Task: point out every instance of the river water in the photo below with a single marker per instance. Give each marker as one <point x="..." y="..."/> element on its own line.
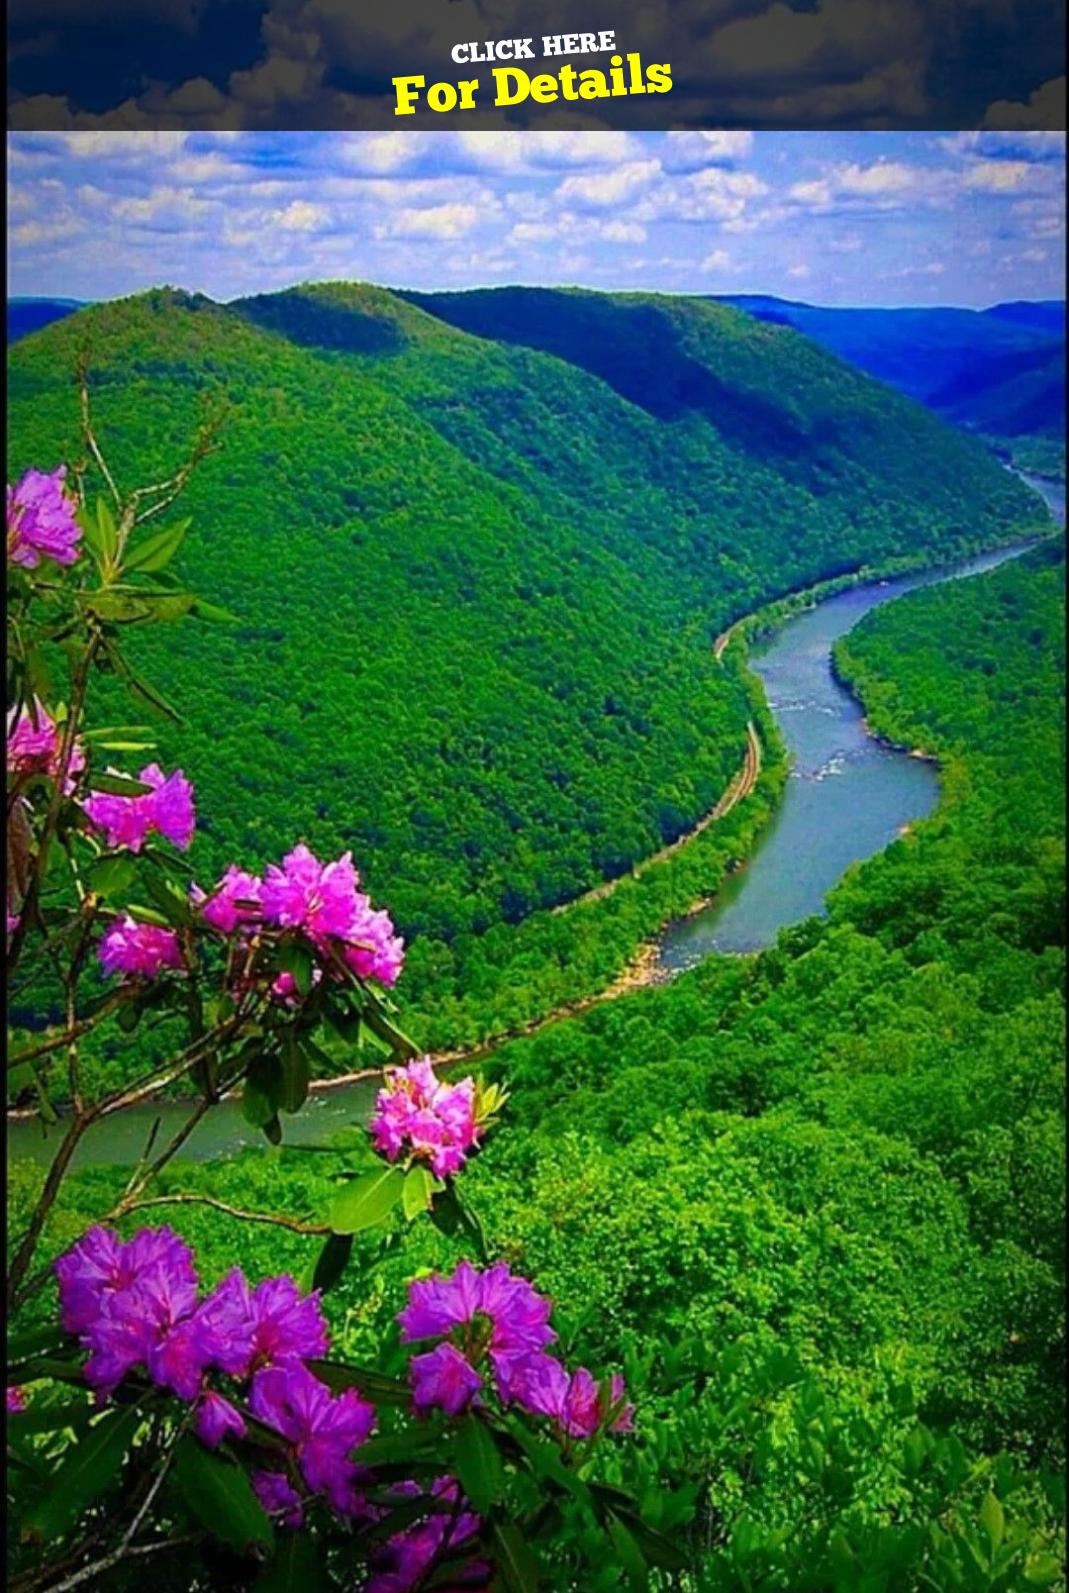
<point x="847" y="798"/>
<point x="848" y="795"/>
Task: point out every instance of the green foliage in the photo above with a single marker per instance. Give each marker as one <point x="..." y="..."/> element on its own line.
<point x="473" y="633"/>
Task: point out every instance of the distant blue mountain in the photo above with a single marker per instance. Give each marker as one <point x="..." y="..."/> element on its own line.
<point x="1000" y="370"/>
<point x="26" y="315"/>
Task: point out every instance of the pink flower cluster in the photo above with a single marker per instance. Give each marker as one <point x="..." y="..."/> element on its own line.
<point x="417" y="1115"/>
<point x="166" y="809"/>
<point x="493" y="1330"/>
<point x="41" y="520"/>
<point x="135" y="1305"/>
<point x="321" y="902"/>
<point x="34" y="744"/>
<point x="16" y="1401"/>
<point x="138" y="951"/>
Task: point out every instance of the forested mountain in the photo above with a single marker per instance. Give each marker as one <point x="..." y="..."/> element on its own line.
<point x="999" y="371"/>
<point x="476" y="576"/>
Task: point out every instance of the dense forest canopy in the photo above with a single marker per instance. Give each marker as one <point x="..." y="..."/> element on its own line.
<point x="812" y="1201"/>
<point x="477" y="571"/>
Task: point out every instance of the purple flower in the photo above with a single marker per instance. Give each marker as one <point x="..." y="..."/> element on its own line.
<point x="487" y="1314"/>
<point x="34" y="744"/>
<point x="41" y="520"/>
<point x="278" y="1496"/>
<point x="100" y="1265"/>
<point x="443" y="1377"/>
<point x="430" y="1120"/>
<point x="379" y="954"/>
<point x="537" y="1382"/>
<point x="138" y="951"/>
<point x="216" y="1417"/>
<point x="123" y="1300"/>
<point x="319" y="898"/>
<point x="323" y="901"/>
<point x="324" y="1428"/>
<point x="404" y="1560"/>
<point x="235" y="901"/>
<point x="167" y="808"/>
<point x="16" y="1401"/>
<point x="286" y="1323"/>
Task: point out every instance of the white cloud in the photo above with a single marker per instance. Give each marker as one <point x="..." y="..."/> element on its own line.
<point x="719" y="260"/>
<point x="300" y="216"/>
<point x="602" y="190"/>
<point x="435" y="221"/>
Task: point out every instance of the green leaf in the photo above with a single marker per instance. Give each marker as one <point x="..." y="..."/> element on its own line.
<point x="375" y="1386"/>
<point x="156" y="552"/>
<point x="411" y="1445"/>
<point x="367" y="1201"/>
<point x="656" y="1547"/>
<point x="1042" y="1568"/>
<point x="993" y="1521"/>
<point x="105" y="534"/>
<point x="85" y="1470"/>
<point x="628" y="1553"/>
<point x="212" y="612"/>
<point x="295" y="1074"/>
<point x="331" y="1261"/>
<point x="478" y="1463"/>
<point x="36" y="1341"/>
<point x="119" y="785"/>
<point x="112" y="876"/>
<point x="296" y="1567"/>
<point x="220" y="1495"/>
<point x="420" y="1184"/>
<point x="515" y="1562"/>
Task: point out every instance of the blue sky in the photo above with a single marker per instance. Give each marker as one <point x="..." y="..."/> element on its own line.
<point x="834" y="218"/>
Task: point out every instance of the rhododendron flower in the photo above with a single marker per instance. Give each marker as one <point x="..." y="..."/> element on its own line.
<point x="234" y="901"/>
<point x="16" y="1401"/>
<point x="404" y="1560"/>
<point x="41" y="519"/>
<point x="34" y="744"/>
<point x="418" y="1115"/>
<point x="319" y="898"/>
<point x="380" y="954"/>
<point x="101" y="1264"/>
<point x="123" y="1300"/>
<point x="323" y="901"/>
<point x="443" y="1378"/>
<point x="487" y="1314"/>
<point x="138" y="951"/>
<point x="167" y="808"/>
<point x="216" y="1417"/>
<point x="278" y="1496"/>
<point x="236" y="1328"/>
<point x="323" y="1427"/>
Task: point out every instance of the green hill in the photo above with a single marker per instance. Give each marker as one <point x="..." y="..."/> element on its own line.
<point x="477" y="575"/>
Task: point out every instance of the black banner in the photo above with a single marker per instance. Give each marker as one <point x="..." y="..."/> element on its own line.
<point x="332" y="64"/>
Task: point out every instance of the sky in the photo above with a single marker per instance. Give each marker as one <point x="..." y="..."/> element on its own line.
<point x="867" y="218"/>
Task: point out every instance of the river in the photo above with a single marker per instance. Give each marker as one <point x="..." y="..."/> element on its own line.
<point x="848" y="794"/>
<point x="847" y="798"/>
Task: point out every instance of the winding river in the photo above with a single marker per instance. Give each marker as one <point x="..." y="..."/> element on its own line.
<point x="847" y="798"/>
<point x="848" y="794"/>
